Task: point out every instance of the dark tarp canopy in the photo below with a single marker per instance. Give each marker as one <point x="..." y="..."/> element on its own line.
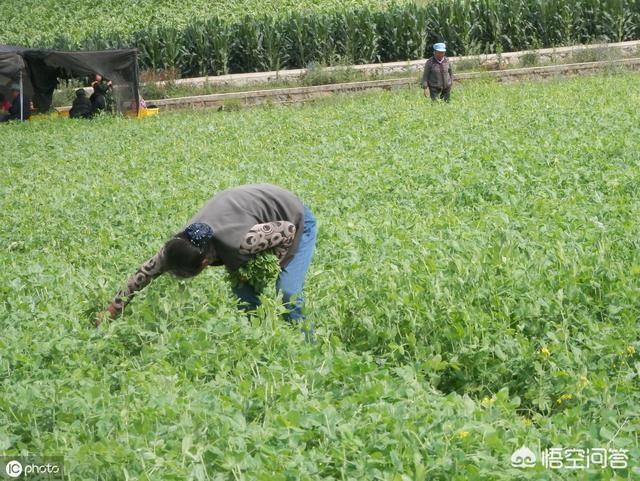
<point x="41" y="69"/>
<point x="10" y="63"/>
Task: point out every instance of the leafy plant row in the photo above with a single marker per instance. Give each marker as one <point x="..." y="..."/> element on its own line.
<point x="215" y="46"/>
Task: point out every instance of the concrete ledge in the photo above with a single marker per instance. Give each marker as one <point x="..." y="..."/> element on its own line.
<point x="280" y="95"/>
<point x="301" y="94"/>
<point x="553" y="70"/>
<point x="545" y="56"/>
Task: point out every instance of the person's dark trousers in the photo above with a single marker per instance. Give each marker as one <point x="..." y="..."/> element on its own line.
<point x="437" y="93"/>
<point x="291" y="279"/>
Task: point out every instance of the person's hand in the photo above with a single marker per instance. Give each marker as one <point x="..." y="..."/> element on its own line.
<point x="426" y="92"/>
<point x="111" y="312"/>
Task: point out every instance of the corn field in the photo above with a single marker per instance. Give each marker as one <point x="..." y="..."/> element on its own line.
<point x="399" y="32"/>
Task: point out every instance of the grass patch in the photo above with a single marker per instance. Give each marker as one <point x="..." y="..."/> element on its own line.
<point x="474" y="288"/>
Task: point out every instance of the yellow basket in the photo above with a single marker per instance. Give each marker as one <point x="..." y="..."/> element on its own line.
<point x="144" y="112"/>
<point x="148" y="112"/>
<point x="43" y="116"/>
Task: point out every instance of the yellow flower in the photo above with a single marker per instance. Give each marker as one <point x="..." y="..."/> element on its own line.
<point x="631" y="350"/>
<point x="527" y="422"/>
<point x="564" y="397"/>
<point x="463" y="434"/>
<point x="545" y="352"/>
<point x="487" y="401"/>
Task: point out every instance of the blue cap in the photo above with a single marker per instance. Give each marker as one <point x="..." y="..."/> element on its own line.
<point x="439" y="47"/>
<point x="199" y="234"/>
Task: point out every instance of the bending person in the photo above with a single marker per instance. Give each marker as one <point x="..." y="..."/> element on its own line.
<point x="232" y="227"/>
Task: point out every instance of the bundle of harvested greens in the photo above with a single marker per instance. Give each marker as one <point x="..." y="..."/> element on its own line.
<point x="261" y="271"/>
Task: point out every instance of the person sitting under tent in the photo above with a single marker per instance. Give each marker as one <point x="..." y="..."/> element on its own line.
<point x="5" y="105"/>
<point x="101" y="97"/>
<point x="81" y="107"/>
<point x="15" y="113"/>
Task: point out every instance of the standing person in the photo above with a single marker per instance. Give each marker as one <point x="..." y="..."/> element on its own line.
<point x="437" y="77"/>
<point x="101" y="96"/>
<point x="81" y="107"/>
<point x="232" y="227"/>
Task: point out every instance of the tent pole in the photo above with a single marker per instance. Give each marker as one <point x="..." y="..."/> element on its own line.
<point x="21" y="99"/>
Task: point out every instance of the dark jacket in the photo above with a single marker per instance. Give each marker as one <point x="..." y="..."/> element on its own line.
<point x="81" y="108"/>
<point x="99" y="98"/>
<point x="437" y="75"/>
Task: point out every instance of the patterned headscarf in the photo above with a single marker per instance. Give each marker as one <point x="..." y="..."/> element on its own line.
<point x="199" y="234"/>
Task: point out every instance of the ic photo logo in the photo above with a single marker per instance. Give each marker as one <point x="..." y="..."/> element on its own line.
<point x="13" y="468"/>
<point x="33" y="468"/>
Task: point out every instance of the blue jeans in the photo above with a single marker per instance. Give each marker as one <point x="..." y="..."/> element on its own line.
<point x="291" y="279"/>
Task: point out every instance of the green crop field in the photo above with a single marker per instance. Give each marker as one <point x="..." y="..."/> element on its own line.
<point x="475" y="289"/>
<point x="76" y="19"/>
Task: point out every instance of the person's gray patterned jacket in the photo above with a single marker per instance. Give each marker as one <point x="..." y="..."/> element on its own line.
<point x="246" y="220"/>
